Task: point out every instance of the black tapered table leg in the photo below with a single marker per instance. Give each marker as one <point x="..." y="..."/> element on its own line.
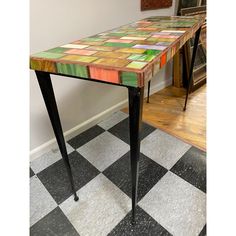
<point x="45" y="84"/>
<point x="135" y="122"/>
<point x="190" y="76"/>
<point x="148" y="93"/>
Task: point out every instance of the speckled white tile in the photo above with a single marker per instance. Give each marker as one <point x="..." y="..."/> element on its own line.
<point x="100" y="208"/>
<point x="112" y="120"/>
<point x="48" y="159"/>
<point x="41" y="202"/>
<point x="103" y="150"/>
<point x="163" y="148"/>
<point x="176" y="205"/>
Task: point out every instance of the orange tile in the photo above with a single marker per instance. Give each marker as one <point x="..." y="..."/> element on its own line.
<point x="163" y="60"/>
<point x="111" y="76"/>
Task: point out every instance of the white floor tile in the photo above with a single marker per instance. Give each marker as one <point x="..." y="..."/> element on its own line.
<point x="163" y="148"/>
<point x="103" y="150"/>
<point x="41" y="202"/>
<point x="176" y="205"/>
<point x="48" y="159"/>
<point x="112" y="120"/>
<point x="100" y="207"/>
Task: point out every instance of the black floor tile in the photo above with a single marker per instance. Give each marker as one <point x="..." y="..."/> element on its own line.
<point x="121" y="130"/>
<point x="55" y="177"/>
<point x="203" y="232"/>
<point x="192" y="168"/>
<point x="145" y="225"/>
<point x="149" y="174"/>
<point x="54" y="223"/>
<point x="31" y="173"/>
<point x="86" y="136"/>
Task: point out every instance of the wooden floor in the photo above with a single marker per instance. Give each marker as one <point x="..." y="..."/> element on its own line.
<point x="165" y="111"/>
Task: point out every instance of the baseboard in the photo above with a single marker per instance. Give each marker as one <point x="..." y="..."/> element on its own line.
<point x="51" y="144"/>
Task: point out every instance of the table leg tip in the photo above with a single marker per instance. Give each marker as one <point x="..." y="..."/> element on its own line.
<point x="76" y="198"/>
<point x="133" y="222"/>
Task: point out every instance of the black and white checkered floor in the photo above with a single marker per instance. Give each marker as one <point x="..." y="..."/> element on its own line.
<point x="172" y="185"/>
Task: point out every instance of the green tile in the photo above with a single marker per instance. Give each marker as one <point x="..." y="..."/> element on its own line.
<point x="139" y="33"/>
<point x="122" y="45"/>
<point x="141" y="57"/>
<point x="48" y="55"/>
<point x="129" y="78"/>
<point x="136" y="65"/>
<point x="58" y="50"/>
<point x="72" y="69"/>
<point x="117" y="34"/>
<point x="152" y="52"/>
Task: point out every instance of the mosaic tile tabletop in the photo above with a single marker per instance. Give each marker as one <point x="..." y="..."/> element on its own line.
<point x="129" y="55"/>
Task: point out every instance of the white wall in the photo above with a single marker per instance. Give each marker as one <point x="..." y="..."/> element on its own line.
<point x="53" y="23"/>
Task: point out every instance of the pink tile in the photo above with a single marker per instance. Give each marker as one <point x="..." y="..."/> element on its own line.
<point x="80" y="52"/>
<point x="119" y="41"/>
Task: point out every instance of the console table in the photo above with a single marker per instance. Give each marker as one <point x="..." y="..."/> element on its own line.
<point x="128" y="56"/>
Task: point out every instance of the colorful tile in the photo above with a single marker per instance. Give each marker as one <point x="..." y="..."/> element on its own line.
<point x="163" y="60"/>
<point x="119" y="41"/>
<point x="122" y="45"/>
<point x="155" y="47"/>
<point x="131" y="50"/>
<point x="111" y="76"/>
<point x="136" y="32"/>
<point x="78" y="46"/>
<point x="155" y="39"/>
<point x="148" y="74"/>
<point x="129" y="78"/>
<point x="80" y="52"/>
<point x="145" y="42"/>
<point x="168" y="56"/>
<point x="119" y="55"/>
<point x="173" y="51"/>
<point x="117" y="34"/>
<point x="138" y="46"/>
<point x="161" y="33"/>
<point x="163" y="43"/>
<point x="92" y="39"/>
<point x="141" y="57"/>
<point x="152" y="52"/>
<point x="48" y="55"/>
<point x="111" y="62"/>
<point x="57" y="50"/>
<point x="147" y="29"/>
<point x="165" y="36"/>
<point x="72" y="69"/>
<point x="134" y="38"/>
<point x="43" y="65"/>
<point x="86" y="59"/>
<point x="97" y="43"/>
<point x="156" y="67"/>
<point x="136" y="65"/>
<point x="101" y="48"/>
<point x="174" y="31"/>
